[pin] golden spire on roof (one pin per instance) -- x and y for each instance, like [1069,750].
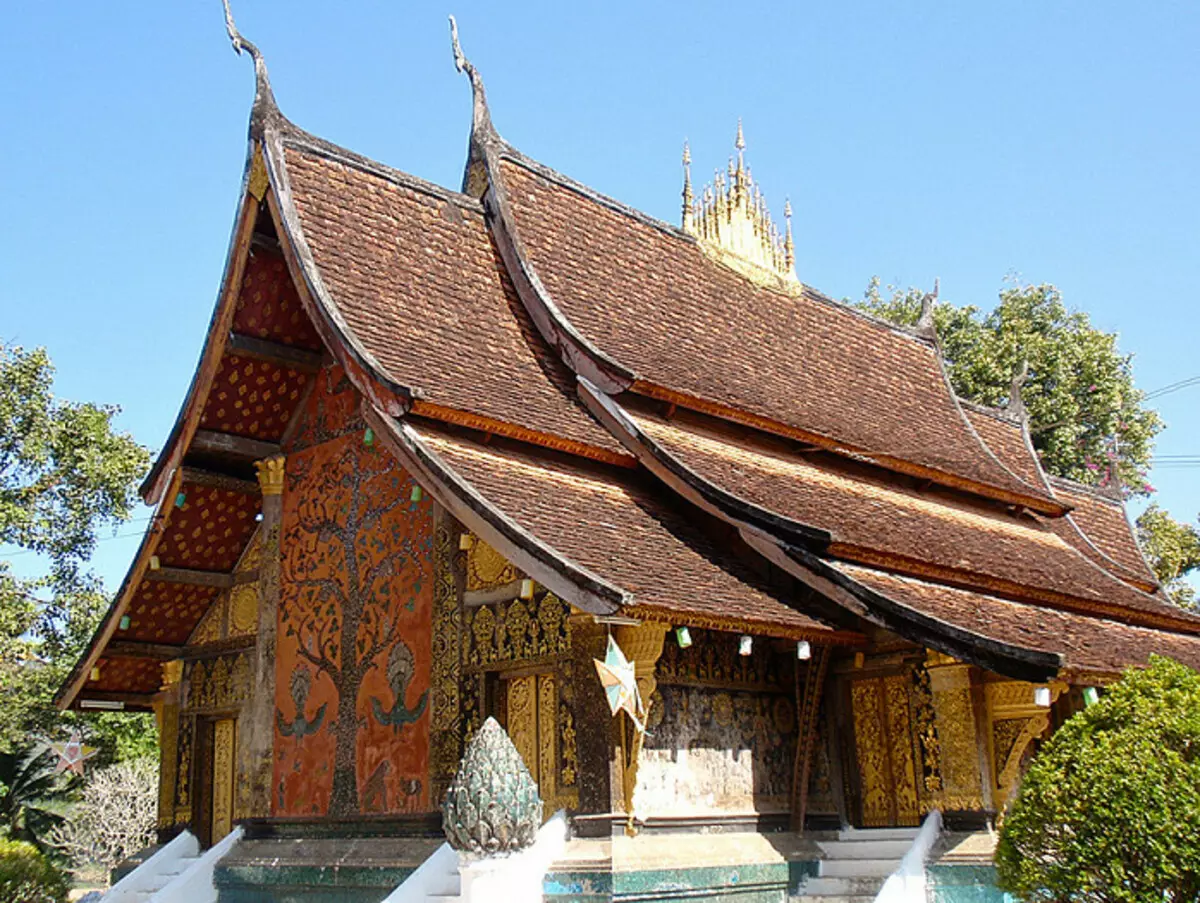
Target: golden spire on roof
[732,221]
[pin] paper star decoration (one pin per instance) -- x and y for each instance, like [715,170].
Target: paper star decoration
[620,684]
[72,754]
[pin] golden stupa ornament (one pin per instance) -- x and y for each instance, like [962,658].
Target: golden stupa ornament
[731,220]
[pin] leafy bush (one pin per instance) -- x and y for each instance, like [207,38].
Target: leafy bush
[1109,811]
[26,876]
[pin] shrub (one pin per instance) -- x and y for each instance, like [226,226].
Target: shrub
[26,876]
[1109,811]
[113,819]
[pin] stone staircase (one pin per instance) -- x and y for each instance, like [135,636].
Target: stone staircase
[857,863]
[177,873]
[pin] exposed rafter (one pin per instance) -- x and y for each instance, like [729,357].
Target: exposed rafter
[300,359]
[213,442]
[190,576]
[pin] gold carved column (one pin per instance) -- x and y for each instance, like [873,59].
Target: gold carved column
[1015,721]
[255,747]
[966,782]
[166,710]
[642,645]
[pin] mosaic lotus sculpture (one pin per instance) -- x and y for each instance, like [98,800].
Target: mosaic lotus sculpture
[492,806]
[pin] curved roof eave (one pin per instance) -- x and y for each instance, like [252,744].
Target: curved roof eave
[1013,661]
[566,579]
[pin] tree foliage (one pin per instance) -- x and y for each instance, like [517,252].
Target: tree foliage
[1087,419]
[34,796]
[1109,810]
[65,474]
[1173,549]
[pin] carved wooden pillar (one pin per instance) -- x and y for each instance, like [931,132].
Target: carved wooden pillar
[642,645]
[256,745]
[599,778]
[166,710]
[957,707]
[1015,721]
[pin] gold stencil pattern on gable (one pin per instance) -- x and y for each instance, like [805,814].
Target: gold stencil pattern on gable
[487,568]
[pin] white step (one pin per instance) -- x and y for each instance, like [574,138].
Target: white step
[842,887]
[857,868]
[909,834]
[443,898]
[865,849]
[447,885]
[852,898]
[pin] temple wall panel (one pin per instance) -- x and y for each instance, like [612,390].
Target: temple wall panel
[721,735]
[354,645]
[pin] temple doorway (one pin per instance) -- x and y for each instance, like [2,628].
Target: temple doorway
[215,777]
[885,750]
[528,706]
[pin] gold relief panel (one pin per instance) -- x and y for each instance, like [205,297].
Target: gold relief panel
[187,727]
[486,568]
[219,683]
[713,661]
[522,719]
[222,778]
[447,717]
[871,753]
[211,628]
[515,630]
[243,610]
[899,736]
[928,747]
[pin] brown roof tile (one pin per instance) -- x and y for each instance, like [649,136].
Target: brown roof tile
[980,542]
[1104,521]
[1087,643]
[609,522]
[1006,439]
[412,269]
[649,297]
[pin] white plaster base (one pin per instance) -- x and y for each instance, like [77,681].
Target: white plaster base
[512,879]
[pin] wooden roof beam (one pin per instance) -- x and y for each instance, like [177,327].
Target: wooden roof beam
[229,445]
[190,576]
[198,476]
[299,359]
[163,652]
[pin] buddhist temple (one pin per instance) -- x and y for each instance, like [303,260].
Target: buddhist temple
[444,444]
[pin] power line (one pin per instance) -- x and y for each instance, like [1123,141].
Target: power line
[136,520]
[1173,387]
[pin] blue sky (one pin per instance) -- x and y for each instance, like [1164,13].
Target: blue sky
[1057,141]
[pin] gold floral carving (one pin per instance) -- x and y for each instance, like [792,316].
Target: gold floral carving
[547,740]
[219,683]
[1016,723]
[172,673]
[522,719]
[899,735]
[928,746]
[243,610]
[516,630]
[258,180]
[871,752]
[487,568]
[447,720]
[954,710]
[222,789]
[183,774]
[211,626]
[713,661]
[271,474]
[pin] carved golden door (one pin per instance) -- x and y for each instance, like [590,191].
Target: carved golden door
[884,751]
[224,744]
[530,714]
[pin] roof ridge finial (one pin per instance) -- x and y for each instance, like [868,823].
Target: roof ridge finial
[928,301]
[688,222]
[482,119]
[262,93]
[789,247]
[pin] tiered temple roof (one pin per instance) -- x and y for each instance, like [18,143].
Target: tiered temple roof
[642,425]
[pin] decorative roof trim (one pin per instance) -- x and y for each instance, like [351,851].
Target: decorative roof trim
[563,577]
[533,437]
[265,108]
[1114,499]
[826,636]
[1165,619]
[74,683]
[686,482]
[219,328]
[1003,658]
[899,465]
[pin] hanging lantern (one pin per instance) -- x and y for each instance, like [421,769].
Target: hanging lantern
[1041,697]
[125,622]
[803,651]
[683,637]
[745,644]
[369,437]
[417,494]
[1091,696]
[526,589]
[180,499]
[95,673]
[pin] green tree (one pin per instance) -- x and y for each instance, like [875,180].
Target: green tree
[1173,550]
[65,475]
[1109,810]
[34,795]
[1087,419]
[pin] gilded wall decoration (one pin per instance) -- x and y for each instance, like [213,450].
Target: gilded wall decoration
[447,718]
[219,683]
[713,661]
[487,568]
[183,775]
[928,747]
[1017,723]
[717,749]
[514,630]
[353,655]
[224,732]
[954,708]
[884,749]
